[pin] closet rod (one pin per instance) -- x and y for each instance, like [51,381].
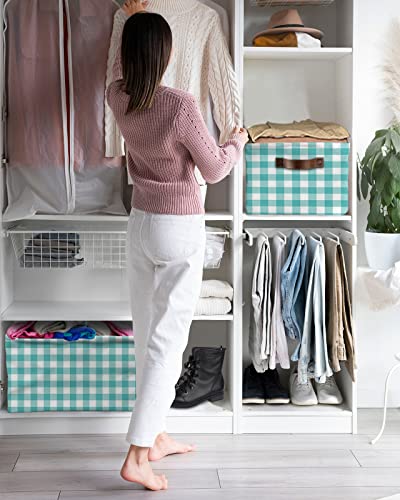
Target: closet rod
[343,235]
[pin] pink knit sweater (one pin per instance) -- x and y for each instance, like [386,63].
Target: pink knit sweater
[164,144]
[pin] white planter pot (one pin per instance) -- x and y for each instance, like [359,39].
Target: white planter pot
[382,249]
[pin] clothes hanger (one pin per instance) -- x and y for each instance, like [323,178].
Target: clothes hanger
[283,236]
[333,237]
[316,236]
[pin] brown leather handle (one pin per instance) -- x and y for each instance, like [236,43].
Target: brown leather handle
[291,164]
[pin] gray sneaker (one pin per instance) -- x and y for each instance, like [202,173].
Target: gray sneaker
[328,393]
[302,394]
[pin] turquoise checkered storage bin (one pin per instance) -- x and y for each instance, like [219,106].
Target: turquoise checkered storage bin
[275,185]
[55,375]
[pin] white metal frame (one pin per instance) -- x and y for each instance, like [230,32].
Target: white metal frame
[19,300]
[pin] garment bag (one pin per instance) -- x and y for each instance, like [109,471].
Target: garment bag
[36,132]
[56,54]
[98,182]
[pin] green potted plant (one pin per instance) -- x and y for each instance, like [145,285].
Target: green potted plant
[379,178]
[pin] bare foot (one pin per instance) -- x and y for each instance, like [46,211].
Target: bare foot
[143,474]
[165,445]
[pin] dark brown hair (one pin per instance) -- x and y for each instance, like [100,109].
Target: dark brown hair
[145,51]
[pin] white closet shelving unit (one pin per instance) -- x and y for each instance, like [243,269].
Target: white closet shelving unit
[277,85]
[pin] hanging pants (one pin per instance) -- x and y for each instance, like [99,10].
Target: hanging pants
[165,268]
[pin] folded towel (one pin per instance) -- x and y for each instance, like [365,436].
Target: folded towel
[216,288]
[50,326]
[213,307]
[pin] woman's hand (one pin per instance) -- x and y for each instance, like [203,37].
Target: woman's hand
[241,134]
[134,6]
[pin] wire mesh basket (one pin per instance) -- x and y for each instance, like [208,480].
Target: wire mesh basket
[215,247]
[290,3]
[65,249]
[41,247]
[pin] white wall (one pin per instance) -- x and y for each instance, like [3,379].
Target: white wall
[378,333]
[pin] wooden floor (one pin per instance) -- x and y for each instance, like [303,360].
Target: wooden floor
[224,467]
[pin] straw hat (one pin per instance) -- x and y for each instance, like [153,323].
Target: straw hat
[288,21]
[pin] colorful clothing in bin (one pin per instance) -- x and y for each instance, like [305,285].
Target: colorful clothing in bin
[89,375]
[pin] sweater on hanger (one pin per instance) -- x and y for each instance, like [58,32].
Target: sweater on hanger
[223,15]
[162,162]
[200,64]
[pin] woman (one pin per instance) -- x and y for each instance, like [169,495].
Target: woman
[166,137]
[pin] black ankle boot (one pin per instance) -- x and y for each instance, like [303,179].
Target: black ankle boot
[202,380]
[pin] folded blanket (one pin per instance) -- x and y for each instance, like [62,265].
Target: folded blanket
[46,254]
[216,288]
[68,237]
[304,128]
[213,307]
[53,245]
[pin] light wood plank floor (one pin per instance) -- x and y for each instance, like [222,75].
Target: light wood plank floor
[224,467]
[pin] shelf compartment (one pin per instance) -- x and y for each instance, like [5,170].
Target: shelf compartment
[79,311]
[283,53]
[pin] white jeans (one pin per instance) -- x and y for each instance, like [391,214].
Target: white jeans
[165,269]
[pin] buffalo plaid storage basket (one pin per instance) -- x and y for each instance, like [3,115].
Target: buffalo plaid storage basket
[55,375]
[300,178]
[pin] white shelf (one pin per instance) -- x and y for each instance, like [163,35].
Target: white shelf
[311,218]
[293,410]
[217,216]
[206,418]
[79,311]
[279,53]
[320,419]
[207,409]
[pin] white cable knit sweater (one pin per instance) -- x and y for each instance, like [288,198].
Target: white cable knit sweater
[200,64]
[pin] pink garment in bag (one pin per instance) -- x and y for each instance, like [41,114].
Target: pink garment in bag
[35,131]
[56,60]
[97,178]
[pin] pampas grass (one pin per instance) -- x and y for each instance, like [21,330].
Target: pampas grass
[391,70]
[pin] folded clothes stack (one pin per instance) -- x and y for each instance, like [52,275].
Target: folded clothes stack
[52,250]
[70,331]
[302,131]
[215,298]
